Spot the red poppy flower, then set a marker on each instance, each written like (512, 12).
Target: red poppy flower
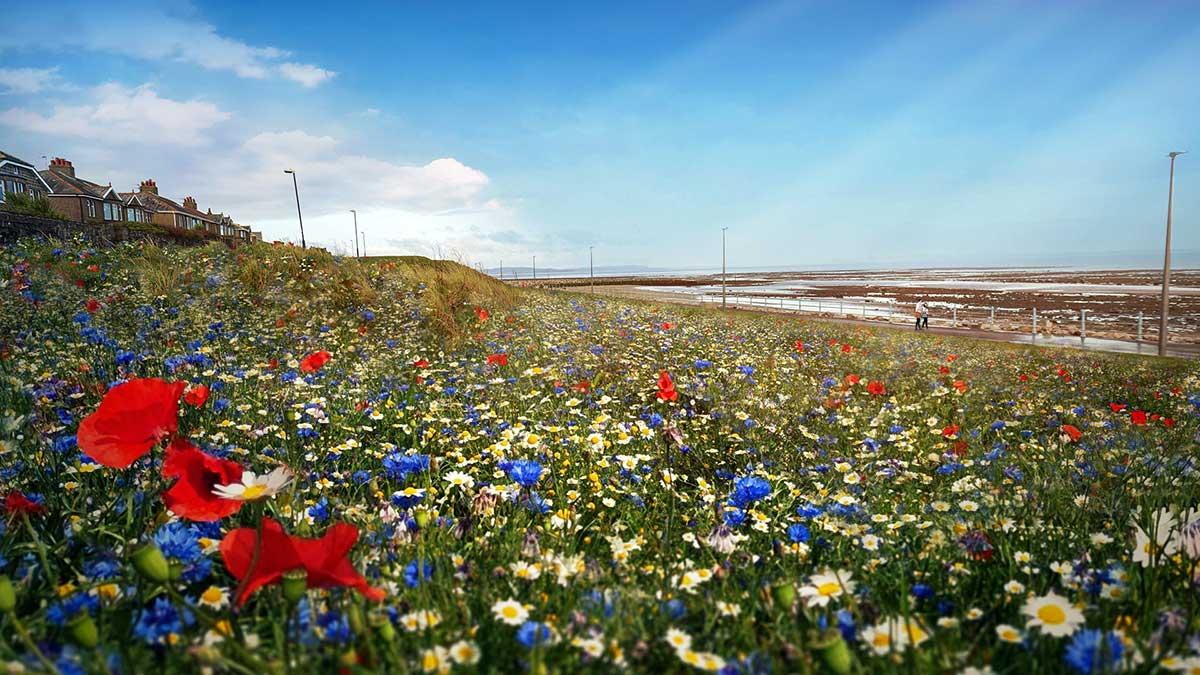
(481, 314)
(846, 349)
(18, 504)
(196, 396)
(1023, 377)
(1168, 422)
(800, 346)
(960, 386)
(666, 387)
(943, 370)
(420, 363)
(92, 306)
(852, 380)
(950, 430)
(132, 418)
(497, 360)
(1072, 432)
(192, 495)
(1137, 417)
(314, 361)
(582, 386)
(667, 325)
(876, 388)
(951, 358)
(324, 560)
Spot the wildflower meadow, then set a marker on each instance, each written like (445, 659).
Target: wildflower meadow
(276, 461)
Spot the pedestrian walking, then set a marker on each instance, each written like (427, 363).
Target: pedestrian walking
(924, 315)
(919, 312)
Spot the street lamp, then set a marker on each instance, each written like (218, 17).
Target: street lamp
(355, 232)
(1166, 282)
(723, 266)
(364, 243)
(298, 214)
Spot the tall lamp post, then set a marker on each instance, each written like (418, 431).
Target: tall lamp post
(355, 232)
(1166, 282)
(364, 246)
(299, 215)
(723, 266)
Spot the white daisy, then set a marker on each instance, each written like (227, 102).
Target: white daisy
(253, 487)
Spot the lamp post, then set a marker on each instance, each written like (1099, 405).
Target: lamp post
(364, 243)
(355, 232)
(299, 215)
(723, 266)
(1166, 282)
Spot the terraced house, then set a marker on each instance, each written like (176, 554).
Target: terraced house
(19, 176)
(86, 201)
(168, 212)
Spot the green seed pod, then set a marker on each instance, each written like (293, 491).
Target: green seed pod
(8, 594)
(834, 652)
(356, 619)
(785, 594)
(150, 563)
(83, 631)
(295, 583)
(422, 517)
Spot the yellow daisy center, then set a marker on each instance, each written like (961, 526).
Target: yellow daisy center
(829, 588)
(253, 491)
(1051, 614)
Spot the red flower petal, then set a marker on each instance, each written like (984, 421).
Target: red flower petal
(196, 396)
(132, 418)
(314, 361)
(327, 564)
(276, 555)
(192, 495)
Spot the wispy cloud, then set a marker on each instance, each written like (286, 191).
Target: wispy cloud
(152, 33)
(30, 80)
(113, 113)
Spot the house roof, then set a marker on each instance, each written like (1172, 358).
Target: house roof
(5, 157)
(157, 203)
(63, 184)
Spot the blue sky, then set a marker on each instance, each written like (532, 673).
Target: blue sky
(818, 132)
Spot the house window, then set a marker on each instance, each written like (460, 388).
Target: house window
(91, 208)
(112, 211)
(135, 214)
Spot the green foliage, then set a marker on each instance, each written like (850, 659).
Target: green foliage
(20, 202)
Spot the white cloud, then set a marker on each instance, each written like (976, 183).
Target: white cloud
(306, 74)
(337, 180)
(120, 114)
(149, 32)
(29, 80)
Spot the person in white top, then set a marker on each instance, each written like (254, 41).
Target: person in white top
(922, 313)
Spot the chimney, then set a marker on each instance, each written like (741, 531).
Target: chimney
(189, 203)
(60, 165)
(148, 185)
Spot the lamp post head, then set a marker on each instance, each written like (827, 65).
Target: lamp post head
(288, 171)
(1177, 153)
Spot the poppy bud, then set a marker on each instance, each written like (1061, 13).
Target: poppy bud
(83, 631)
(834, 652)
(386, 631)
(150, 563)
(174, 570)
(356, 619)
(422, 518)
(8, 595)
(785, 594)
(295, 583)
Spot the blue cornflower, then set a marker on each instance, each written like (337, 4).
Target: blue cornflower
(749, 489)
(319, 512)
(159, 621)
(525, 472)
(1091, 651)
(415, 573)
(400, 466)
(798, 533)
(179, 541)
(533, 633)
(335, 627)
(735, 517)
